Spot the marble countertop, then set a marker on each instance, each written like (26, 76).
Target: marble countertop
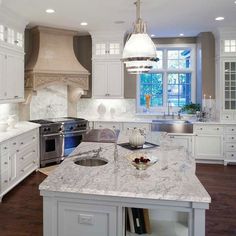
(20, 128)
(171, 178)
(149, 120)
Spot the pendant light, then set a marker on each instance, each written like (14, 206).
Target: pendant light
(139, 53)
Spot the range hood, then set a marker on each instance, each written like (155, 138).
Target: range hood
(53, 61)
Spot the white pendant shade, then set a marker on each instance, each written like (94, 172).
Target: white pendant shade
(139, 45)
(139, 53)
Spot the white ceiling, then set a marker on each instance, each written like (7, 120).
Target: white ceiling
(164, 18)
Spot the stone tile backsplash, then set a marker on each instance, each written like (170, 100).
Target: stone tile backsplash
(115, 108)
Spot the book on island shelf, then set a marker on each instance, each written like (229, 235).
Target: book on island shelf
(138, 221)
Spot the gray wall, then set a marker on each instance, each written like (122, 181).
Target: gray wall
(205, 65)
(83, 52)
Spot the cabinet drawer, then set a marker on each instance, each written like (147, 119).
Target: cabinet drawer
(230, 138)
(4, 180)
(27, 156)
(107, 125)
(228, 117)
(4, 148)
(208, 129)
(231, 155)
(230, 129)
(27, 139)
(230, 147)
(27, 168)
(4, 162)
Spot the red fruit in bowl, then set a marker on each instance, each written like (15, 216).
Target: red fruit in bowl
(136, 160)
(142, 158)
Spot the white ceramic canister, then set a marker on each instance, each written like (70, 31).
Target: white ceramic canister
(11, 121)
(136, 139)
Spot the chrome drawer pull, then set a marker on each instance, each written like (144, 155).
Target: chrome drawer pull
(14, 143)
(232, 155)
(232, 146)
(5, 181)
(21, 143)
(5, 148)
(5, 163)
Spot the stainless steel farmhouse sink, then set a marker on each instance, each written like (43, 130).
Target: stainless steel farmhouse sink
(172, 126)
(91, 162)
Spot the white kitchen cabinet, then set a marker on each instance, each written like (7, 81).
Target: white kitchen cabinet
(108, 79)
(11, 57)
(19, 156)
(14, 76)
(108, 70)
(230, 144)
(208, 143)
(2, 75)
(226, 75)
(107, 45)
(11, 76)
(85, 219)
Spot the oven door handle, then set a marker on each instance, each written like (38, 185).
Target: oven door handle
(51, 135)
(74, 132)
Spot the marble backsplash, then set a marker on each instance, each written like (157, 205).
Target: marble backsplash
(8, 109)
(114, 108)
(50, 102)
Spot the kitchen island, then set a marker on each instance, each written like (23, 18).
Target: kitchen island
(82, 200)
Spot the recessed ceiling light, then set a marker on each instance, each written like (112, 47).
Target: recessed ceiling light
(219, 18)
(153, 35)
(50, 11)
(83, 23)
(181, 34)
(235, 2)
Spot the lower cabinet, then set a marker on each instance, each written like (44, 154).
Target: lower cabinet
(86, 219)
(230, 144)
(19, 157)
(209, 147)
(209, 141)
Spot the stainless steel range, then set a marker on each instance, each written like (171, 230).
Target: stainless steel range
(59, 137)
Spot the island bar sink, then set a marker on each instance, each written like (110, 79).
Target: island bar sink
(91, 162)
(172, 126)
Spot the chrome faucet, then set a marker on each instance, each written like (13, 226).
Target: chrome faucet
(168, 108)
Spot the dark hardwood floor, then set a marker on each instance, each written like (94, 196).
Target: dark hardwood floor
(21, 210)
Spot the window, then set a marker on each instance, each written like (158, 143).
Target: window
(171, 82)
(1, 33)
(230, 46)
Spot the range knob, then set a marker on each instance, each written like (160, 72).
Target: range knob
(71, 128)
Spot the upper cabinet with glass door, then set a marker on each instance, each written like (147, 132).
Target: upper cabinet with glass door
(107, 46)
(11, 38)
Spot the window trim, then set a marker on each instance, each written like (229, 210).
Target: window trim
(165, 47)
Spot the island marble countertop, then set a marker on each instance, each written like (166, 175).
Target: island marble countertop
(20, 128)
(171, 178)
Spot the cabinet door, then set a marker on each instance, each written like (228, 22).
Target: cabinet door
(2, 76)
(99, 79)
(115, 79)
(76, 219)
(209, 147)
(14, 77)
